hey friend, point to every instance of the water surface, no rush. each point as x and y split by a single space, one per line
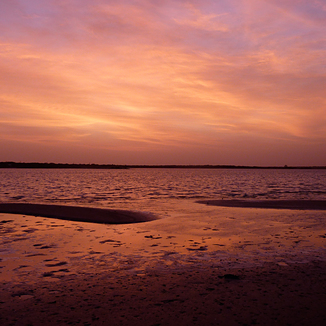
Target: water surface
187 234
139 187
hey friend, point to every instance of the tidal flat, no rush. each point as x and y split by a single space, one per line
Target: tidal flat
213 266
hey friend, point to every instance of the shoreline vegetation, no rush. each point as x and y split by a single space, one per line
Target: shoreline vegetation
40 165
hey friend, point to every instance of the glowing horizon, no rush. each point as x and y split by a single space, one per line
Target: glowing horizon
163 82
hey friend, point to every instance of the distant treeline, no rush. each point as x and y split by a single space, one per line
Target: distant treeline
36 165
207 166
17 165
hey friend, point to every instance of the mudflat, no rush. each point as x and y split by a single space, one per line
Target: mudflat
216 266
77 213
275 203
268 295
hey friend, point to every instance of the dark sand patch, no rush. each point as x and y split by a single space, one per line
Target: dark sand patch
277 204
56 264
265 295
76 213
109 240
6 221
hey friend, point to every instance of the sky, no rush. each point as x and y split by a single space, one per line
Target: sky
238 82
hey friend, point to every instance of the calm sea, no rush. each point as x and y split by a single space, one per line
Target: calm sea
139 188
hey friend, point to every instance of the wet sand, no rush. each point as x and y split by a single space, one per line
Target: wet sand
215 266
77 213
275 204
268 295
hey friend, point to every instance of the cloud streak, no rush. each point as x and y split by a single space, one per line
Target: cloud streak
157 81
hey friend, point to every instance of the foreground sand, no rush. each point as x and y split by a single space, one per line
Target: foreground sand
268 295
231 266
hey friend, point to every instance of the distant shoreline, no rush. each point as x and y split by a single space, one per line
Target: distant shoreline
38 165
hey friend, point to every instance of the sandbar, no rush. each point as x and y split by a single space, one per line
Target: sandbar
77 213
274 204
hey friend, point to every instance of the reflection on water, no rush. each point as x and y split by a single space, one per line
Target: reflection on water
188 233
34 248
137 186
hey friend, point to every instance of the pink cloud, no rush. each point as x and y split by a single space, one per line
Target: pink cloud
160 76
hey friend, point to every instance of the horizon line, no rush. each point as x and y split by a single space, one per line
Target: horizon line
40 165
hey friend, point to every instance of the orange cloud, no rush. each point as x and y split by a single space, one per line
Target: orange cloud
167 76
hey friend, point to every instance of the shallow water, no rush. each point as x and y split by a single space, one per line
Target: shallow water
34 248
187 234
140 186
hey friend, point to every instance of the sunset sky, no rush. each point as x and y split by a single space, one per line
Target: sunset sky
163 82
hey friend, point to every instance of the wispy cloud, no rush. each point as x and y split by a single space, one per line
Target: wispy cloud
164 77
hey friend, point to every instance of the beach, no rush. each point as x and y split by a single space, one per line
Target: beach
232 266
269 295
162 163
